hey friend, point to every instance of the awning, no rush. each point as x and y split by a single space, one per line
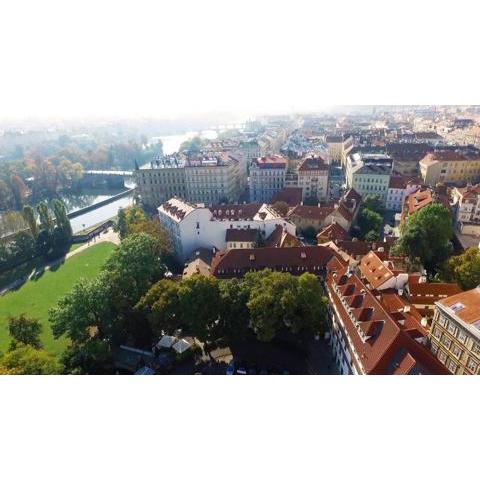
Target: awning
181 346
166 341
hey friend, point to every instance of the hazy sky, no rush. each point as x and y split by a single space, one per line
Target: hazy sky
171 58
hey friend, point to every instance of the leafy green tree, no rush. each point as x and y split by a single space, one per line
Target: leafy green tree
310 312
426 237
24 330
192 146
372 202
6 196
29 216
133 268
154 229
372 235
103 308
121 226
46 221
44 242
93 357
200 300
62 220
369 220
23 247
277 300
87 310
270 302
162 306
19 189
27 360
233 319
463 269
309 232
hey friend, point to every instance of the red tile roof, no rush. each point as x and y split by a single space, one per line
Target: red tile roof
313 163
292 196
382 344
417 200
423 293
271 161
281 238
374 270
311 213
333 232
465 305
295 260
241 235
398 182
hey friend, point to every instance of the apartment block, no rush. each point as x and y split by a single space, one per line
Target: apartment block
453 166
455 332
369 174
267 177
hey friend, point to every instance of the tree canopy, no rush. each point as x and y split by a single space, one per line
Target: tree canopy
25 331
27 360
426 237
463 269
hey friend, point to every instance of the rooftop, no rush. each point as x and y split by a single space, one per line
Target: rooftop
271 161
235 211
176 208
314 213
375 270
281 238
294 260
292 196
465 305
313 163
333 232
241 235
385 337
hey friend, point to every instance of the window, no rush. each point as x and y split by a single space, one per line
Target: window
442 321
446 342
457 351
452 366
462 336
451 328
442 356
476 348
437 333
434 348
472 365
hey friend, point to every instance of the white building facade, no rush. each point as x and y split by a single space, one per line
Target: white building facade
192 226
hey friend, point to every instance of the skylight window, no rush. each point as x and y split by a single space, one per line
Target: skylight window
456 307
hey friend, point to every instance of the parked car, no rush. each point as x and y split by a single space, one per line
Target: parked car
241 369
231 368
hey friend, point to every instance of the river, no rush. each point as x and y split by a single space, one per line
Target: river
73 202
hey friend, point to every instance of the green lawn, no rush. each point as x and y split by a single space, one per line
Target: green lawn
36 296
74 246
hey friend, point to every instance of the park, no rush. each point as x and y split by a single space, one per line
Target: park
35 297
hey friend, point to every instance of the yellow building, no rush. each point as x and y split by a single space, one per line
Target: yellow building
455 332
451 166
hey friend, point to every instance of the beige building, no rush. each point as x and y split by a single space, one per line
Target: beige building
451 166
203 179
455 332
213 179
339 147
312 178
163 180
